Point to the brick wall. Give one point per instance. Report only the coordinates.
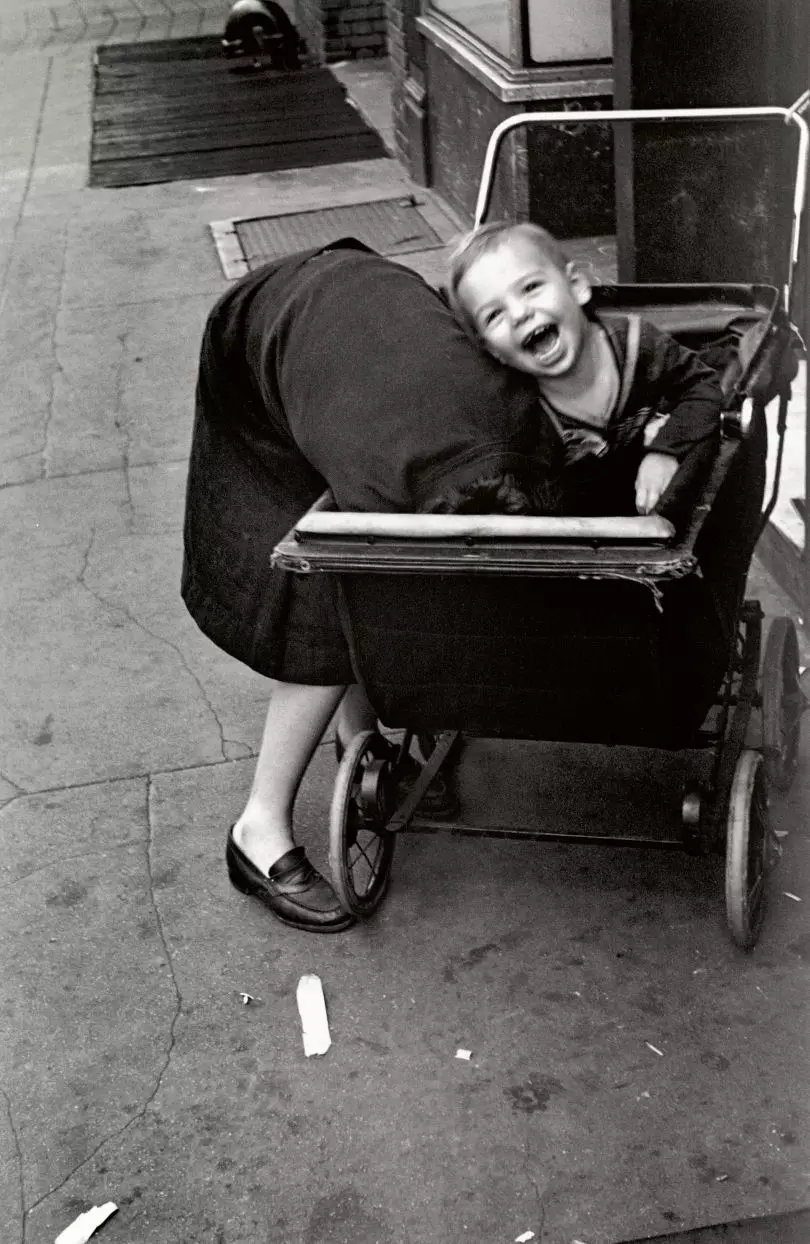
(406, 55)
(343, 29)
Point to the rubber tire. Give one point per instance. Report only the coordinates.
(749, 795)
(364, 904)
(780, 683)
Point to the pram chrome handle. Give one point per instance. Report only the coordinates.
(790, 116)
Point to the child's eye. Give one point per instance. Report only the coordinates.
(490, 317)
(530, 286)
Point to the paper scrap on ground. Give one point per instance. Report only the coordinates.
(466, 1054)
(246, 998)
(654, 1049)
(312, 1009)
(522, 1239)
(795, 897)
(82, 1228)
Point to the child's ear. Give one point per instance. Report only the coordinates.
(580, 285)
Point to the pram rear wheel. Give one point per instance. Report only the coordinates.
(748, 849)
(360, 849)
(783, 703)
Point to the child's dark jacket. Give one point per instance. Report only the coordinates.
(657, 376)
(335, 368)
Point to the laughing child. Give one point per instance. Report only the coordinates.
(628, 402)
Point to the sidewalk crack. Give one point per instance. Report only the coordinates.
(30, 174)
(77, 8)
(66, 859)
(178, 1010)
(538, 1196)
(18, 1155)
(100, 470)
(19, 789)
(141, 17)
(121, 423)
(161, 639)
(56, 368)
(166, 771)
(86, 561)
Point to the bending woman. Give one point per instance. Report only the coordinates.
(332, 367)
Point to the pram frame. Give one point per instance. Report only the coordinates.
(789, 116)
(646, 551)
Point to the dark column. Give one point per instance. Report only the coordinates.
(707, 201)
(712, 201)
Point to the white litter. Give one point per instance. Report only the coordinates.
(781, 833)
(466, 1054)
(654, 1049)
(312, 1009)
(246, 998)
(86, 1224)
(522, 1239)
(795, 897)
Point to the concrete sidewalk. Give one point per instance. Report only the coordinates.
(54, 27)
(631, 1072)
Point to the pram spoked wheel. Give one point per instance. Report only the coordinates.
(749, 849)
(783, 703)
(360, 849)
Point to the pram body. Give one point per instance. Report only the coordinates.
(586, 630)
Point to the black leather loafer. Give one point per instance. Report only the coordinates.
(295, 892)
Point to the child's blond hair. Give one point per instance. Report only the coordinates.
(488, 238)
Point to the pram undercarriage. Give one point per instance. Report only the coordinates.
(586, 630)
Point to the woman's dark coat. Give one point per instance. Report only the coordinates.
(339, 368)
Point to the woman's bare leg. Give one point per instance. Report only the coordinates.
(296, 719)
(354, 715)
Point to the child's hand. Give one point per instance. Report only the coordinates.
(653, 479)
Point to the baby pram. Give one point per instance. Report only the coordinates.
(586, 630)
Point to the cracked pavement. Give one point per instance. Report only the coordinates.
(130, 1070)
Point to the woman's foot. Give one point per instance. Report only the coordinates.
(262, 844)
(294, 891)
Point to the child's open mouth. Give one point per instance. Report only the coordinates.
(542, 341)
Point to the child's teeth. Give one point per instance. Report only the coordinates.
(542, 341)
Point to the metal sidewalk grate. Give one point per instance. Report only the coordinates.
(390, 226)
